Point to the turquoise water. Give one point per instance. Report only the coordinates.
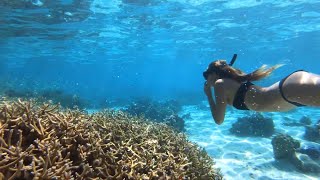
(110, 51)
(150, 47)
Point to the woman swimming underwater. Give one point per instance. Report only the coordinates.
(234, 87)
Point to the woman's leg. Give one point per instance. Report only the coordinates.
(303, 87)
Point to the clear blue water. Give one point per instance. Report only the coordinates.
(103, 49)
(117, 49)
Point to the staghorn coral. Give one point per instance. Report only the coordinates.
(45, 142)
(55, 95)
(162, 112)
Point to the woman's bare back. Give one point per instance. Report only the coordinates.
(258, 98)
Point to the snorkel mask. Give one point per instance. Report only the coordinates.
(209, 71)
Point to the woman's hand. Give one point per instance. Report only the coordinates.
(207, 89)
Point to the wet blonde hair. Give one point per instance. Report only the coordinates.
(225, 71)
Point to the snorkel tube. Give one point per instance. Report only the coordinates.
(234, 58)
(208, 71)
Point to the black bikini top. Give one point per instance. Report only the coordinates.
(238, 101)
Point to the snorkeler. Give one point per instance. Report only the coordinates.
(234, 87)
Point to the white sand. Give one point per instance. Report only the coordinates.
(246, 157)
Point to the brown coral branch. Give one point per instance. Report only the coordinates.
(4, 160)
(13, 162)
(10, 137)
(3, 142)
(45, 166)
(85, 170)
(40, 126)
(15, 120)
(7, 111)
(19, 143)
(8, 151)
(60, 171)
(18, 171)
(52, 109)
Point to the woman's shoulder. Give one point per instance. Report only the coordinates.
(227, 83)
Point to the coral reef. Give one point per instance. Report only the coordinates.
(287, 148)
(46, 142)
(165, 112)
(56, 96)
(174, 105)
(22, 94)
(305, 163)
(312, 150)
(312, 132)
(284, 146)
(65, 99)
(175, 121)
(254, 125)
(304, 121)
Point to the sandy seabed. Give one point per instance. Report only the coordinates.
(246, 157)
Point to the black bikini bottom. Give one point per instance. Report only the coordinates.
(281, 91)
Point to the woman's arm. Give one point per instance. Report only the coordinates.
(217, 108)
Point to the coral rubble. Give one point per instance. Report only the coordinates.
(254, 125)
(46, 142)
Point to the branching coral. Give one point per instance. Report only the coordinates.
(159, 149)
(163, 112)
(55, 95)
(44, 142)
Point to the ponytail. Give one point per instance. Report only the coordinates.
(225, 71)
(260, 73)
